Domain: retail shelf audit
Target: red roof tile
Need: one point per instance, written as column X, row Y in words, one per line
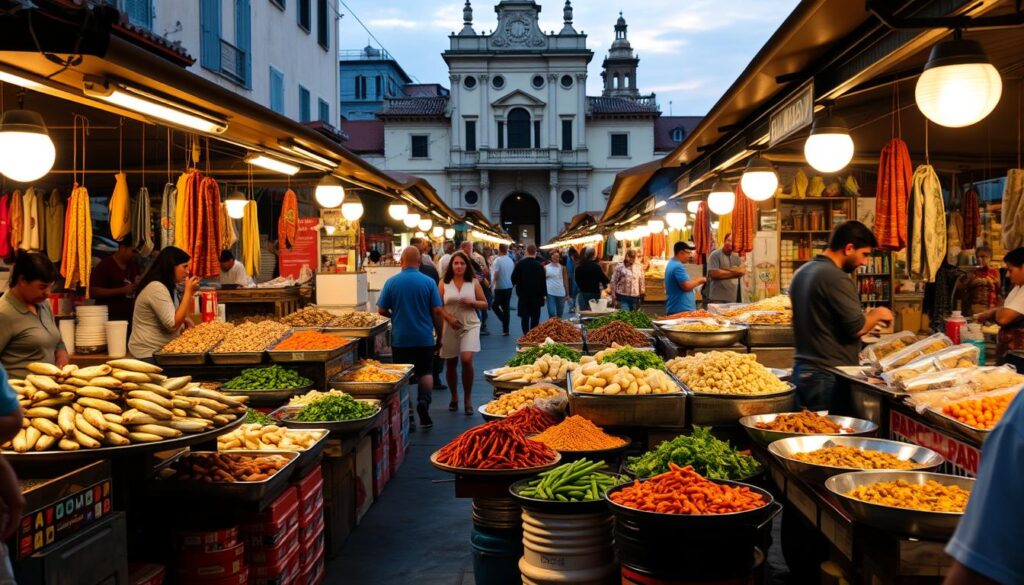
column 613, row 105
column 414, row 107
column 364, row 136
column 664, row 126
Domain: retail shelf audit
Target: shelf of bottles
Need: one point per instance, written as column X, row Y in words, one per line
column 874, row 281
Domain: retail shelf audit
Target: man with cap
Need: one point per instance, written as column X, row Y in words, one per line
column 678, row 284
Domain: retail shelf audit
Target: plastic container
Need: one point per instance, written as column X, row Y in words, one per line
column 954, row 324
column 974, row 336
column 496, row 556
column 567, row 548
column 117, row 338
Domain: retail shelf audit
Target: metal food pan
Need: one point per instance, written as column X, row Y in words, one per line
column 785, row 449
column 273, row 397
column 857, row 428
column 350, row 427
column 179, row 359
column 369, row 389
column 316, row 355
column 249, row 491
column 307, row 457
column 649, row 410
column 238, row 358
column 770, row 336
column 358, row 332
column 727, row 409
column 725, row 337
column 954, row 426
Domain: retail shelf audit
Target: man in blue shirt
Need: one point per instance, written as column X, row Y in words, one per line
column 411, row 300
column 501, row 277
column 986, row 547
column 679, row 295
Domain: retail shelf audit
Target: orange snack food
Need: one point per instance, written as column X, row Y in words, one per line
column 980, row 413
column 681, row 490
column 310, row 340
column 698, row 314
column 577, row 434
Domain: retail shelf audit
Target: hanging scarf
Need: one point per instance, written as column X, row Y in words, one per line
column 972, row 218
column 76, row 261
column 54, row 226
column 928, row 223
column 204, row 229
column 30, row 221
column 141, row 238
column 228, row 237
column 5, row 225
column 702, row 234
column 120, row 208
column 17, row 219
column 251, row 239
column 181, row 205
column 1013, row 210
column 744, row 213
column 288, row 223
column 891, row 195
column 168, row 211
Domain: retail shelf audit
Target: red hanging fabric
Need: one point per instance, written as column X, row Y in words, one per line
column 891, row 194
column 702, row 233
column 288, row 223
column 743, row 216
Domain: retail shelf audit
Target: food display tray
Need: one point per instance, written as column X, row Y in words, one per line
column 654, row 410
column 346, row 427
column 586, row 507
column 468, row 471
column 785, row 449
column 238, row 358
column 268, row 397
column 482, row 409
column 179, row 359
column 307, row 355
column 727, row 337
column 249, row 491
column 307, row 457
column 770, row 335
column 727, row 409
column 954, row 426
column 358, row 332
column 764, row 437
column 753, row 517
column 372, row 389
column 507, row 386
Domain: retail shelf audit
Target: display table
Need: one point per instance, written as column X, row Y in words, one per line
column 242, row 302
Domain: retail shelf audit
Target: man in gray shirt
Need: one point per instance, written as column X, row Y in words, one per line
column 724, row 271
column 828, row 320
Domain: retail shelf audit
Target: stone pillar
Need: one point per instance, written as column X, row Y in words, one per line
column 486, row 119
column 456, row 131
column 553, row 118
column 485, row 195
column 581, row 91
column 553, row 227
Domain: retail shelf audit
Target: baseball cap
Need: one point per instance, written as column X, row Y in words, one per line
column 680, row 246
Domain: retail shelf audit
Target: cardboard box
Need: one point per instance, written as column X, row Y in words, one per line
column 381, row 458
column 364, row 477
column 339, row 501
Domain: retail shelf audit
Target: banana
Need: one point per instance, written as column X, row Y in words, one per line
column 75, row 381
column 65, row 387
column 165, row 432
column 112, row 418
column 44, row 369
column 46, row 442
column 53, row 402
column 85, row 440
column 100, row 405
column 135, row 417
column 144, row 437
column 42, row 412
column 67, row 395
column 48, row 427
column 40, row 395
column 135, row 366
column 156, row 389
column 86, row 427
column 112, row 438
column 68, row 370
column 43, row 383
column 150, row 408
column 94, row 371
column 152, row 397
column 117, row 429
column 106, row 382
column 157, row 378
column 66, row 420
column 68, row 445
column 187, row 425
column 32, row 435
column 78, row 407
column 178, row 402
column 18, row 442
column 176, row 383
column 179, row 412
column 95, row 418
column 130, row 376
column 95, row 392
column 127, row 386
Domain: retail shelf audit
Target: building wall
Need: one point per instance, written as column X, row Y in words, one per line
column 366, row 109
column 277, row 41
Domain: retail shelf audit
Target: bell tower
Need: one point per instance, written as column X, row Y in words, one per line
column 620, row 65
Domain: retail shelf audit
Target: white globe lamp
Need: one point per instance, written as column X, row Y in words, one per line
column 352, row 208
column 425, row 224
column 829, row 148
column 959, row 85
column 398, row 211
column 655, row 225
column 759, row 181
column 26, row 151
column 676, row 219
column 449, row 233
column 722, row 198
column 411, row 220
column 329, row 192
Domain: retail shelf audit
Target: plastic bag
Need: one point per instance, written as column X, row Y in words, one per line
column 926, row 346
column 918, row 367
column 936, row 399
column 935, row 380
column 556, row 405
column 873, row 353
column 964, row 355
column 990, row 378
column 974, row 396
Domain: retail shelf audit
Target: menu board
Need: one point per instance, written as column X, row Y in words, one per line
column 303, row 251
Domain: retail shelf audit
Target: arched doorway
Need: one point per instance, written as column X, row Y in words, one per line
column 520, row 216
column 519, row 128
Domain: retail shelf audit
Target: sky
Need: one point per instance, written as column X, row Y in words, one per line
column 690, row 52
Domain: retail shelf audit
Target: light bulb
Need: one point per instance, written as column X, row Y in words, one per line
column 693, row 206
column 411, row 220
column 425, row 224
column 236, row 205
column 437, row 232
column 352, row 208
column 449, row 233
column 642, row 231
column 722, row 198
column 398, row 211
column 959, row 85
column 676, row 220
column 759, row 181
column 26, row 151
column 655, row 225
column 829, row 148
column 329, row 192
column 419, row 235
column 330, row 229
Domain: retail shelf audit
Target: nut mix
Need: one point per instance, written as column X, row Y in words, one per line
column 308, row 317
column 357, row 319
column 199, row 339
column 725, row 372
column 620, row 333
column 555, row 329
column 251, row 337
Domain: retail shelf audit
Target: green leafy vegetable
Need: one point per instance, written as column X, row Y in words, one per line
column 532, row 354
column 709, row 457
column 257, row 417
column 269, row 378
column 629, row 357
column 637, row 319
column 333, row 409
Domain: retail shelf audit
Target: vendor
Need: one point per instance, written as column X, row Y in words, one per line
column 724, row 271
column 28, row 332
column 828, row 320
column 112, row 282
column 679, row 287
column 982, row 284
column 1010, row 316
column 156, row 320
column 232, row 271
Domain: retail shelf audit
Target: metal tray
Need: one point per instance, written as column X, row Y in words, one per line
column 728, row 336
column 784, row 450
column 489, row 376
column 586, row 507
column 765, row 437
column 611, row 454
column 770, row 335
column 268, row 397
column 358, row 332
column 917, row 523
column 307, row 457
column 954, row 426
column 179, row 359
column 494, row 472
column 649, row 410
column 317, row 355
column 249, row 491
column 577, row 345
column 697, row 521
column 727, row 409
column 238, row 358
column 350, row 427
column 372, row 389
column 126, row 450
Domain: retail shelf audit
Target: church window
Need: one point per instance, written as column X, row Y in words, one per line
column 536, row 133
column 678, row 134
column 470, row 82
column 566, row 81
column 625, row 82
column 568, row 197
column 499, row 82
column 471, row 197
column 620, row 144
column 470, row 135
column 566, row 134
column 519, row 128
column 420, row 146
column 538, row 81
column 617, row 82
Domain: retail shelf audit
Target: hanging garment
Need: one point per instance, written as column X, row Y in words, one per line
column 954, row 236
column 41, row 219
column 120, row 208
column 30, row 221
column 17, row 220
column 142, row 239
column 76, row 261
column 251, row 239
column 228, row 237
column 928, row 240
column 724, row 229
column 180, row 207
column 972, row 218
column 191, row 225
column 167, row 213
column 5, row 225
column 288, row 223
column 205, row 230
column 744, row 214
column 702, row 234
column 891, row 194
column 1013, row 210
column 55, row 226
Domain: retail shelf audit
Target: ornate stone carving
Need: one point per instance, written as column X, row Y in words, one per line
column 518, row 28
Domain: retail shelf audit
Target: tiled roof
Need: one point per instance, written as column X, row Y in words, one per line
column 364, row 136
column 147, row 37
column 419, row 107
column 612, row 105
column 664, row 126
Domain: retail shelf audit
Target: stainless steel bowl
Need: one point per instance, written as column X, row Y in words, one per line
column 918, row 523
column 727, row 336
column 859, row 428
column 784, row 449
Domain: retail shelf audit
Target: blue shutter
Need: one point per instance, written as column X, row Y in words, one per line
column 140, row 12
column 325, row 111
column 304, row 106
column 209, row 25
column 243, row 38
column 277, row 91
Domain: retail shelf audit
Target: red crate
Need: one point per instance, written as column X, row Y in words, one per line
column 284, row 573
column 242, row 578
column 261, row 555
column 193, row 565
column 308, row 525
column 146, row 574
column 269, row 528
column 206, row 540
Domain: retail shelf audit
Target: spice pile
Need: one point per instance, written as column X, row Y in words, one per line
column 495, row 445
column 803, row 422
column 579, row 481
column 251, row 337
column 308, row 317
column 554, row 329
column 532, row 354
column 268, row 378
column 681, row 490
column 725, row 372
column 698, row 314
column 199, row 339
column 930, row 496
column 709, row 456
column 506, row 404
column 224, row 467
column 578, row 434
column 853, row 458
column 618, row 332
column 637, row 319
column 980, row 413
column 310, row 341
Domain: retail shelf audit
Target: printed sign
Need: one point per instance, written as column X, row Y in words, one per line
column 303, row 251
column 961, row 459
column 796, row 114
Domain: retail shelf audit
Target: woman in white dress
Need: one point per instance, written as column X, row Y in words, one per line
column 462, row 296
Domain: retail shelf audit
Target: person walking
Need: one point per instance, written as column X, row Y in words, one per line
column 501, row 276
column 428, row 268
column 628, row 282
column 572, row 260
column 449, row 249
column 529, row 279
column 556, row 279
column 725, row 270
column 485, row 282
column 679, row 295
column 590, row 279
column 462, row 295
column 412, row 302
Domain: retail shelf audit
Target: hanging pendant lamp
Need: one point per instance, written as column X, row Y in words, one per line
column 759, row 181
column 959, row 85
column 829, row 148
column 26, row 150
column 236, row 205
column 352, row 208
column 411, row 220
column 722, row 198
column 398, row 211
column 329, row 192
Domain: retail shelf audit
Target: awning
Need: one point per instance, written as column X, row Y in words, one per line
column 638, row 183
column 421, row 194
column 479, row 220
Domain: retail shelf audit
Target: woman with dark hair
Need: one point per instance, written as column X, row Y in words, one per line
column 462, row 296
column 1010, row 316
column 157, row 318
column 28, row 332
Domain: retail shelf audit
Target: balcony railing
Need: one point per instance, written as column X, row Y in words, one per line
column 232, row 62
column 548, row 157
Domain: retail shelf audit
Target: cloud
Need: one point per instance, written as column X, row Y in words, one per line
column 681, row 86
column 653, row 43
column 392, row 23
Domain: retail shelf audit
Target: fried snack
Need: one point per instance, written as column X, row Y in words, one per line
column 697, row 327
column 618, row 332
column 930, row 496
column 803, row 422
column 766, row 318
column 357, row 319
column 698, row 314
column 371, row 374
column 224, row 467
column 256, row 436
column 199, row 339
column 725, row 372
column 853, row 458
column 554, row 329
column 506, row 404
column 980, row 413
